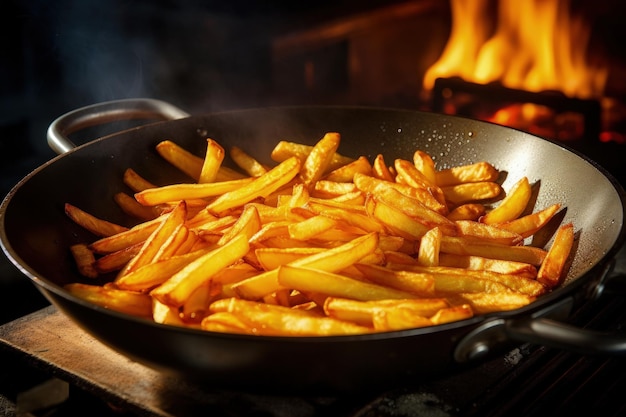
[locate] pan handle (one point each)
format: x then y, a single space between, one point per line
547 327
106 112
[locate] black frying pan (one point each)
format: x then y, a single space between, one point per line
36 235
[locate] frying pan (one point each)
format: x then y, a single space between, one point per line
36 235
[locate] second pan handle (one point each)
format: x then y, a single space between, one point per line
109 111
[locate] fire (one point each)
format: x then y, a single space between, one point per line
535 45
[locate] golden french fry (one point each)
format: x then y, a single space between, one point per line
276 320
95 225
127 238
151 247
464 246
396 220
319 159
451 314
150 275
346 173
414 208
310 228
285 150
247 163
259 187
483 303
272 258
421 284
248 223
428 252
135 181
374 186
381 171
85 260
425 164
177 192
468 211
315 280
330 260
115 261
471 192
453 279
363 312
179 286
494 265
131 207
129 302
553 267
528 225
478 172
398 319
487 233
512 206
329 189
407 173
212 161
182 159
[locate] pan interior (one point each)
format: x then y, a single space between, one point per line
36 233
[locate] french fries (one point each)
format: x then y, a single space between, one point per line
318 244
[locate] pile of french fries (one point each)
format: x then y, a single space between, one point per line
319 243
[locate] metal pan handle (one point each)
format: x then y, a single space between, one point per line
106 112
545 327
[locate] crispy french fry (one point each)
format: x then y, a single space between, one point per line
487 233
363 312
115 261
285 150
319 159
177 192
421 284
454 313
468 211
259 187
182 159
425 164
95 225
464 246
135 181
481 263
346 173
553 267
478 172
471 192
212 161
179 286
330 260
381 171
153 274
333 284
428 252
276 320
85 260
247 163
133 303
512 206
528 225
131 207
398 319
158 238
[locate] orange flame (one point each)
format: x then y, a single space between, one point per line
537 45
